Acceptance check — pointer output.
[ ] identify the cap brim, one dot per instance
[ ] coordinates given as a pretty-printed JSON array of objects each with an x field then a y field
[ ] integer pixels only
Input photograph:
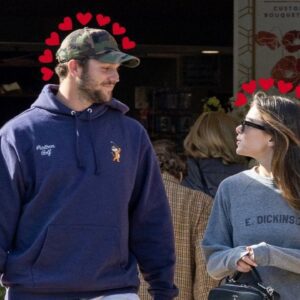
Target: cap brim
[{"x": 118, "y": 57}]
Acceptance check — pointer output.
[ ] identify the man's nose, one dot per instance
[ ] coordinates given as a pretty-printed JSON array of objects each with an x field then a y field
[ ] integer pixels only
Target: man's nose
[{"x": 114, "y": 76}]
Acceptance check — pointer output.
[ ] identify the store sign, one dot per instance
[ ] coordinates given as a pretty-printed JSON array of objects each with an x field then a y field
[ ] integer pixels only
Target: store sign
[{"x": 266, "y": 41}]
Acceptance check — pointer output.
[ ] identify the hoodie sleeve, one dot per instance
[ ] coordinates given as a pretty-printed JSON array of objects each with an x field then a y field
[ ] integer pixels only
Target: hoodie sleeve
[
  {"x": 217, "y": 244},
  {"x": 10, "y": 194},
  {"x": 151, "y": 230},
  {"x": 282, "y": 258}
]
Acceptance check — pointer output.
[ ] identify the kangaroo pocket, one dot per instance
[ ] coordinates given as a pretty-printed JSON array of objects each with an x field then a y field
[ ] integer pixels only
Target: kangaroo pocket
[{"x": 79, "y": 256}]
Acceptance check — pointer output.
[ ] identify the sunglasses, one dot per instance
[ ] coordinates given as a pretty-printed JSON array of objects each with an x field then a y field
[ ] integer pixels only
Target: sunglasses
[{"x": 251, "y": 124}]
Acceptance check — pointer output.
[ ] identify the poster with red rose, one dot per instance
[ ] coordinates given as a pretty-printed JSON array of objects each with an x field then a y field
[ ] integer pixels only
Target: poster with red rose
[{"x": 277, "y": 40}]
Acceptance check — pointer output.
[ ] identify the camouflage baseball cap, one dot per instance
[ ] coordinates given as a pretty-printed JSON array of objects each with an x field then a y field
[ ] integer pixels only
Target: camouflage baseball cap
[{"x": 94, "y": 43}]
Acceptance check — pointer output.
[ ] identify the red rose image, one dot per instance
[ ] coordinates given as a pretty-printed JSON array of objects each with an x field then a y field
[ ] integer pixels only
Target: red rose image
[
  {"x": 265, "y": 38},
  {"x": 287, "y": 69},
  {"x": 289, "y": 39}
]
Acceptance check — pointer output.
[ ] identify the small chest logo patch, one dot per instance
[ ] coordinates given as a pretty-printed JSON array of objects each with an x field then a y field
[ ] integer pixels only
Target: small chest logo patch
[
  {"x": 116, "y": 152},
  {"x": 46, "y": 150}
]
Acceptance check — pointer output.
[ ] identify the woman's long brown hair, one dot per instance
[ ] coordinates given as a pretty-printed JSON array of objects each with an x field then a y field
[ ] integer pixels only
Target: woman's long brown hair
[{"x": 282, "y": 118}]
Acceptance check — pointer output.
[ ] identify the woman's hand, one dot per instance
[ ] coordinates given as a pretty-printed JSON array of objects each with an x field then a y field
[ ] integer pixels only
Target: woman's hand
[{"x": 246, "y": 262}]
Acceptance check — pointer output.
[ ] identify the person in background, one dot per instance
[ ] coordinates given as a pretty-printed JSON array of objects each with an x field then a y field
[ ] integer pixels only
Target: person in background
[
  {"x": 255, "y": 221},
  {"x": 210, "y": 147},
  {"x": 190, "y": 211},
  {"x": 81, "y": 194}
]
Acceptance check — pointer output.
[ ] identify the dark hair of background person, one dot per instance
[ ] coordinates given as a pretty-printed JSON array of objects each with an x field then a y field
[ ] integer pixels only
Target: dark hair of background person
[{"x": 169, "y": 161}]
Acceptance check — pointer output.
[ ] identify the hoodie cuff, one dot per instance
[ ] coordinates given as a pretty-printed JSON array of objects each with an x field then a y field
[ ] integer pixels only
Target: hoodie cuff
[
  {"x": 167, "y": 295},
  {"x": 261, "y": 254}
]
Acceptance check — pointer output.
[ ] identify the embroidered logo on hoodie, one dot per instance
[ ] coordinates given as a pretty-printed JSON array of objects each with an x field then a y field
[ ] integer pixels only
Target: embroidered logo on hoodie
[
  {"x": 116, "y": 152},
  {"x": 45, "y": 149}
]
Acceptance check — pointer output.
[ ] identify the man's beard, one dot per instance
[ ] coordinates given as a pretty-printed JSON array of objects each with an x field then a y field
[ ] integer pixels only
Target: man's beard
[{"x": 84, "y": 85}]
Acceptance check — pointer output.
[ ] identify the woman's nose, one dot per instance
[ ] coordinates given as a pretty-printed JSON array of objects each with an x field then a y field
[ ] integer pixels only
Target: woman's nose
[{"x": 238, "y": 129}]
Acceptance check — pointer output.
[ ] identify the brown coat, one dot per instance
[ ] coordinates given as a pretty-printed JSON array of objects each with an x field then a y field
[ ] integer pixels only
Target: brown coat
[{"x": 190, "y": 212}]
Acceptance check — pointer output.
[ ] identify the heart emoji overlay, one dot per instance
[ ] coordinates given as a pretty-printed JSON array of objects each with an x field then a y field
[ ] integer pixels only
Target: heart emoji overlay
[
  {"x": 102, "y": 20},
  {"x": 297, "y": 91},
  {"x": 249, "y": 87},
  {"x": 46, "y": 57},
  {"x": 84, "y": 18},
  {"x": 117, "y": 29},
  {"x": 266, "y": 84},
  {"x": 284, "y": 87},
  {"x": 241, "y": 100},
  {"x": 47, "y": 73},
  {"x": 127, "y": 43},
  {"x": 67, "y": 24},
  {"x": 53, "y": 40}
]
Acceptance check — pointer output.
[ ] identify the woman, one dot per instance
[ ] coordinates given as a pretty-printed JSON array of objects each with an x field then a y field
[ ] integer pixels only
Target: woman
[
  {"x": 255, "y": 221},
  {"x": 190, "y": 212},
  {"x": 210, "y": 147}
]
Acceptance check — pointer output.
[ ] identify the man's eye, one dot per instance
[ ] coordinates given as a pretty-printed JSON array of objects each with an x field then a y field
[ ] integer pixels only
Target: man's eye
[{"x": 107, "y": 69}]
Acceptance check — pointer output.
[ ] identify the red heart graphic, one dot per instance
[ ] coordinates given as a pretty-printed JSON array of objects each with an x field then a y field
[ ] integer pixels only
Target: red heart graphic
[
  {"x": 47, "y": 73},
  {"x": 127, "y": 43},
  {"x": 47, "y": 57},
  {"x": 53, "y": 40},
  {"x": 241, "y": 100},
  {"x": 266, "y": 84},
  {"x": 117, "y": 29},
  {"x": 284, "y": 87},
  {"x": 297, "y": 92},
  {"x": 84, "y": 18},
  {"x": 102, "y": 20},
  {"x": 66, "y": 24},
  {"x": 249, "y": 87}
]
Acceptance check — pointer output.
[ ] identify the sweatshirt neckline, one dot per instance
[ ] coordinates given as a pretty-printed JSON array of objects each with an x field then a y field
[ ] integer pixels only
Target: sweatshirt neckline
[
  {"x": 268, "y": 178},
  {"x": 268, "y": 181}
]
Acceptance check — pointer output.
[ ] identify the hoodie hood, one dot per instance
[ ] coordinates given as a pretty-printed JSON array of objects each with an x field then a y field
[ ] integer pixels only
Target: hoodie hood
[{"x": 48, "y": 101}]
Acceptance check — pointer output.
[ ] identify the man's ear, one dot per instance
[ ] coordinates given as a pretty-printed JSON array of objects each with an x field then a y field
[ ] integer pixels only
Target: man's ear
[{"x": 74, "y": 68}]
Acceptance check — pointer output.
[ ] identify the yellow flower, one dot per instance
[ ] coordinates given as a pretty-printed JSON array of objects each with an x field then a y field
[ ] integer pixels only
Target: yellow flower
[{"x": 212, "y": 104}]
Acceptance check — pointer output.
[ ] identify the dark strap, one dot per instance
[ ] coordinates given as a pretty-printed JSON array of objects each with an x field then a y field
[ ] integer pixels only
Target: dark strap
[
  {"x": 272, "y": 294},
  {"x": 254, "y": 274}
]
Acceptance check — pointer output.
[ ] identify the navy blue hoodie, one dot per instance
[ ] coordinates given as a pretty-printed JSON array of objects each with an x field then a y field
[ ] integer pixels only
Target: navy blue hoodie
[{"x": 82, "y": 201}]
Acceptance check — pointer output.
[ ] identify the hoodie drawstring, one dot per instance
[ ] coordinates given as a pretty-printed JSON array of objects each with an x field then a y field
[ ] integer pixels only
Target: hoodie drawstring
[
  {"x": 80, "y": 163},
  {"x": 96, "y": 160},
  {"x": 77, "y": 136}
]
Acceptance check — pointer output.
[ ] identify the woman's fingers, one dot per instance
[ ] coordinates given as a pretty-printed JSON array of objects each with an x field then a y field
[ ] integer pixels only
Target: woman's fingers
[
  {"x": 251, "y": 252},
  {"x": 245, "y": 264},
  {"x": 249, "y": 261},
  {"x": 243, "y": 267}
]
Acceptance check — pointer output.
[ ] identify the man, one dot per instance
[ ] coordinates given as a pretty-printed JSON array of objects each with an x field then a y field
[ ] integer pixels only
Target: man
[
  {"x": 190, "y": 212},
  {"x": 82, "y": 199}
]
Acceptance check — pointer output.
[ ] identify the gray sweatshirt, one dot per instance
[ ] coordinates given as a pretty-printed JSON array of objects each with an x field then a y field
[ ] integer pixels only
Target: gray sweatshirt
[{"x": 249, "y": 211}]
